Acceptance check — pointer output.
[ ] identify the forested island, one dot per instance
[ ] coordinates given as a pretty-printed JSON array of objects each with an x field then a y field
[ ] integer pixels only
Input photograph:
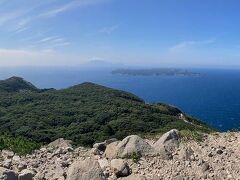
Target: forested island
[{"x": 155, "y": 72}]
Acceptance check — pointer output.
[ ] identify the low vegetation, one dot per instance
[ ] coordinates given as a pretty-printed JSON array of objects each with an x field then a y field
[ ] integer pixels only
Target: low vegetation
[
  {"x": 85, "y": 113},
  {"x": 188, "y": 135},
  {"x": 17, "y": 144},
  {"x": 135, "y": 157}
]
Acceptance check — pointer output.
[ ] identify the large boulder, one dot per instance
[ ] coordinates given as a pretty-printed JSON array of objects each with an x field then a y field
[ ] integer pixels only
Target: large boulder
[
  {"x": 127, "y": 147},
  {"x": 120, "y": 167},
  {"x": 111, "y": 150},
  {"x": 7, "y": 174},
  {"x": 26, "y": 175},
  {"x": 102, "y": 145},
  {"x": 88, "y": 169},
  {"x": 167, "y": 143},
  {"x": 61, "y": 143},
  {"x": 56, "y": 172}
]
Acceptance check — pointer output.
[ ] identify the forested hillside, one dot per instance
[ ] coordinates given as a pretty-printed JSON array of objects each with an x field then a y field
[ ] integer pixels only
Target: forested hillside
[{"x": 84, "y": 113}]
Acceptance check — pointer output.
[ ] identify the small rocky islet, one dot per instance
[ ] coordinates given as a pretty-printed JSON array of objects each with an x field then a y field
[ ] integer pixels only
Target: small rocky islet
[{"x": 169, "y": 157}]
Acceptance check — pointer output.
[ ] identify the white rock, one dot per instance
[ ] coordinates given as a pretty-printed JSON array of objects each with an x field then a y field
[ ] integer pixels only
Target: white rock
[
  {"x": 103, "y": 163},
  {"x": 111, "y": 150},
  {"x": 168, "y": 141},
  {"x": 16, "y": 158},
  {"x": 60, "y": 143},
  {"x": 120, "y": 167},
  {"x": 88, "y": 169},
  {"x": 127, "y": 147},
  {"x": 7, "y": 154}
]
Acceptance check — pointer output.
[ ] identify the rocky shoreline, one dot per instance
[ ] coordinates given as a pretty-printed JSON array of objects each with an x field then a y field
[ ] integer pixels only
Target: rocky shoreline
[{"x": 216, "y": 157}]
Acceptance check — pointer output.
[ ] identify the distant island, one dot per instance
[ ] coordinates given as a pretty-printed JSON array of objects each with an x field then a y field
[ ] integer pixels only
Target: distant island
[{"x": 155, "y": 72}]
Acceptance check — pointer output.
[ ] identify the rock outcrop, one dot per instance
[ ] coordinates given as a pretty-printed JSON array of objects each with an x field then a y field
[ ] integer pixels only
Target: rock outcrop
[
  {"x": 127, "y": 147},
  {"x": 216, "y": 157},
  {"x": 168, "y": 141},
  {"x": 84, "y": 170},
  {"x": 61, "y": 143}
]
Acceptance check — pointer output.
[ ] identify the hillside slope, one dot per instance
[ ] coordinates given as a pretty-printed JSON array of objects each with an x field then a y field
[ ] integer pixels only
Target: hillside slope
[
  {"x": 84, "y": 113},
  {"x": 15, "y": 84}
]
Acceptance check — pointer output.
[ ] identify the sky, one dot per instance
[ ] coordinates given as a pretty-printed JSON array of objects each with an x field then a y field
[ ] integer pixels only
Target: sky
[{"x": 164, "y": 33}]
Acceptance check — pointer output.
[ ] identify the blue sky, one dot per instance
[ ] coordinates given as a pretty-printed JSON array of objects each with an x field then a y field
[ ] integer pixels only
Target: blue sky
[{"x": 181, "y": 33}]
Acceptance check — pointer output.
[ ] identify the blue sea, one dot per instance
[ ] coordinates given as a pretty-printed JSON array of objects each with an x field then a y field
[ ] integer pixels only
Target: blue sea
[{"x": 213, "y": 97}]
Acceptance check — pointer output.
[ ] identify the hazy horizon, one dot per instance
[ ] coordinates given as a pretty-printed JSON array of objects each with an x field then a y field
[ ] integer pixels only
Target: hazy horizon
[{"x": 191, "y": 34}]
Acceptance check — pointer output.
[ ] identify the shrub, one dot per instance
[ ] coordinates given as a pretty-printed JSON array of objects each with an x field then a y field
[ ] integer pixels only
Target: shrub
[
  {"x": 18, "y": 145},
  {"x": 187, "y": 135}
]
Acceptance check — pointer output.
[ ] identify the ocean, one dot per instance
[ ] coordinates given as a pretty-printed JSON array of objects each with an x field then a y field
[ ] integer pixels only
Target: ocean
[{"x": 213, "y": 97}]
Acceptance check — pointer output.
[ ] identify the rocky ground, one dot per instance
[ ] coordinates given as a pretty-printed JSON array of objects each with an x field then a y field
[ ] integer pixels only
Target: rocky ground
[{"x": 216, "y": 157}]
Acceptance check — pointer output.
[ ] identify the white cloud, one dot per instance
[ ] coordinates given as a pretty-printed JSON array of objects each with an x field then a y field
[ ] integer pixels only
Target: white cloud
[
  {"x": 52, "y": 42},
  {"x": 69, "y": 6},
  {"x": 46, "y": 39},
  {"x": 13, "y": 53},
  {"x": 189, "y": 44},
  {"x": 109, "y": 30},
  {"x": 6, "y": 17},
  {"x": 21, "y": 25},
  {"x": 24, "y": 21},
  {"x": 19, "y": 30},
  {"x": 21, "y": 57}
]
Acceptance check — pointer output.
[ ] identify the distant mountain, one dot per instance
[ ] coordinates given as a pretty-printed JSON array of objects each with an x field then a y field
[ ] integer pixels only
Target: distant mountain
[
  {"x": 84, "y": 113},
  {"x": 15, "y": 84},
  {"x": 102, "y": 64},
  {"x": 97, "y": 62}
]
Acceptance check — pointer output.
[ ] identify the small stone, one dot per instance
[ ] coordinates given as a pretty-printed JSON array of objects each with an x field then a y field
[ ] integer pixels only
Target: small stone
[
  {"x": 179, "y": 177},
  {"x": 186, "y": 154},
  {"x": 219, "y": 151},
  {"x": 95, "y": 151},
  {"x": 187, "y": 163},
  {"x": 200, "y": 162},
  {"x": 43, "y": 149},
  {"x": 7, "y": 154},
  {"x": 66, "y": 163},
  {"x": 204, "y": 176},
  {"x": 210, "y": 154},
  {"x": 22, "y": 165},
  {"x": 16, "y": 158},
  {"x": 205, "y": 167},
  {"x": 229, "y": 176},
  {"x": 7, "y": 164}
]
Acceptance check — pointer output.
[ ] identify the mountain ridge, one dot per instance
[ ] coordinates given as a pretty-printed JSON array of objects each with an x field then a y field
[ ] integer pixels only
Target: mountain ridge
[{"x": 14, "y": 84}]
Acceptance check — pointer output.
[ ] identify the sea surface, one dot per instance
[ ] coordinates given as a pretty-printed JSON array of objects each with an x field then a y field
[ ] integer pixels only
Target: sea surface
[{"x": 213, "y": 97}]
